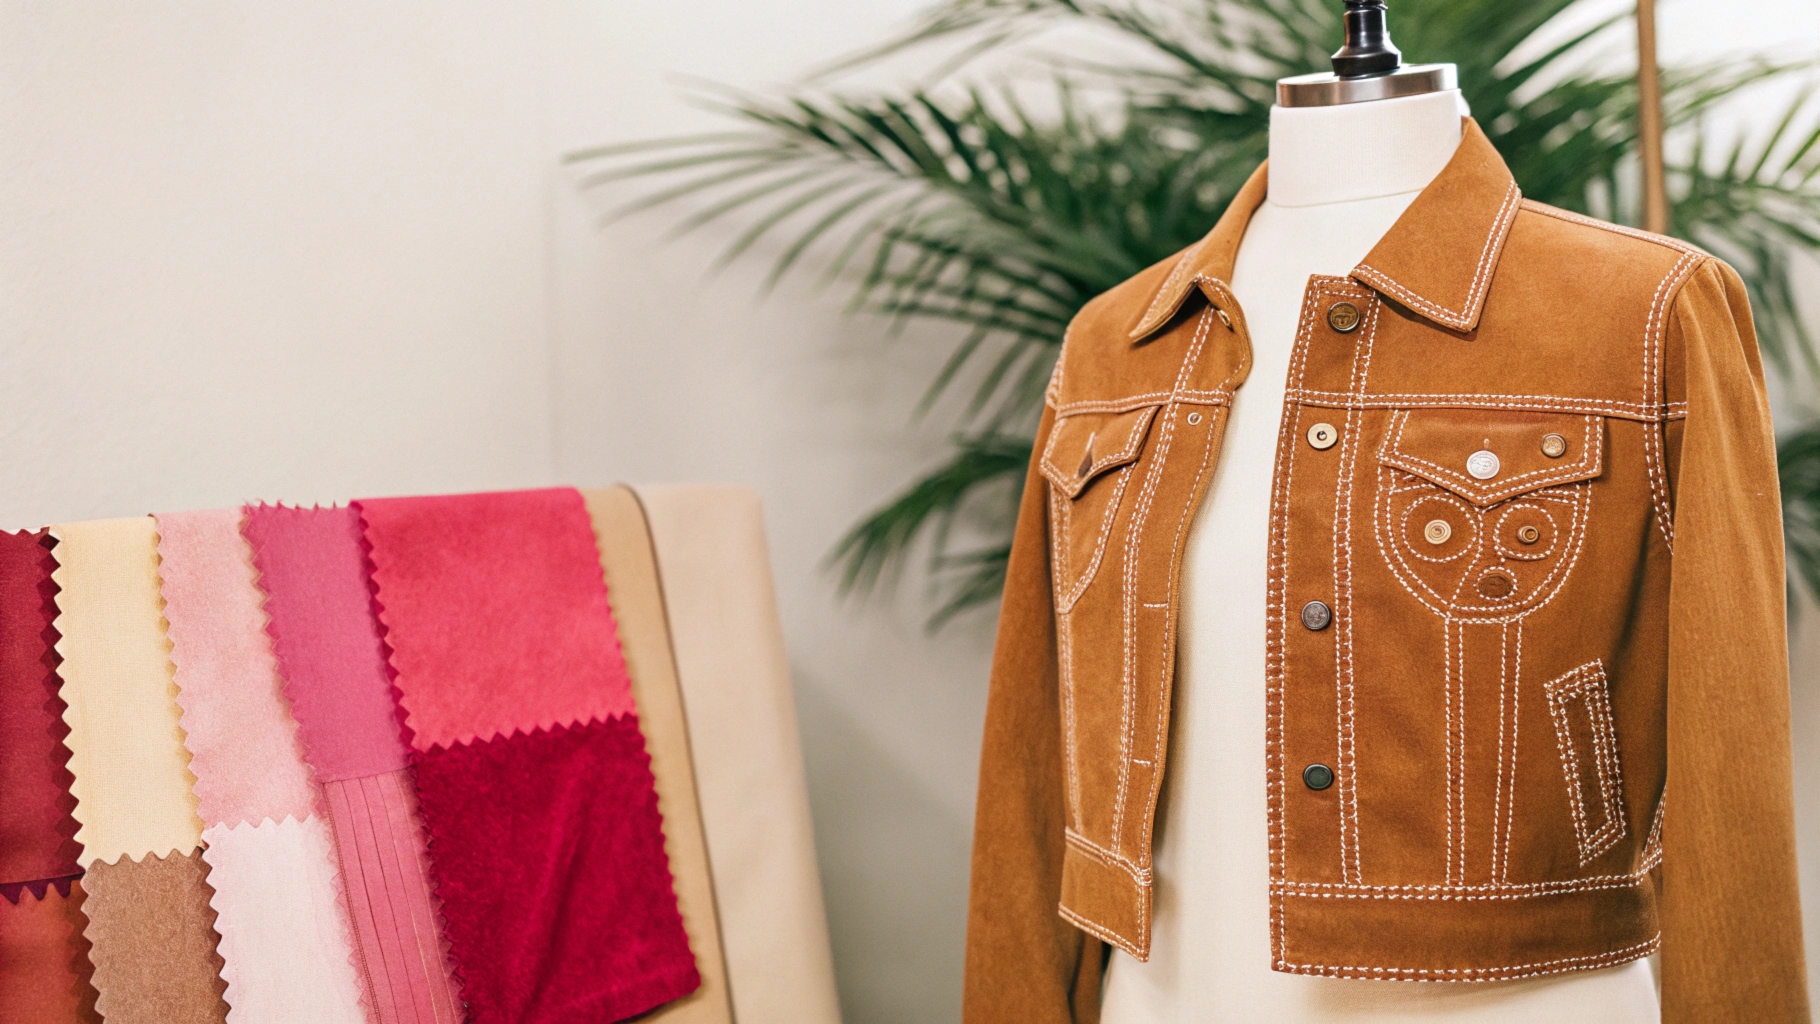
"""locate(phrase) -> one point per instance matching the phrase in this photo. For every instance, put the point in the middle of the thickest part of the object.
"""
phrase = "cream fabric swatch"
(284, 941)
(133, 783)
(730, 658)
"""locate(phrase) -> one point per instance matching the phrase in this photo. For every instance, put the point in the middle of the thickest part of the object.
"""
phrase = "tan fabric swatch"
(644, 636)
(735, 677)
(154, 941)
(133, 783)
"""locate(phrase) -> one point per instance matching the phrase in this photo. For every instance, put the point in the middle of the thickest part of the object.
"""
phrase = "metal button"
(1554, 445)
(1528, 534)
(1437, 531)
(1316, 615)
(1496, 585)
(1343, 317)
(1194, 419)
(1323, 435)
(1483, 465)
(1317, 777)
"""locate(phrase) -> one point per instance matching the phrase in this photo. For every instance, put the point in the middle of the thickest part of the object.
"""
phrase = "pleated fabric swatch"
(285, 940)
(44, 965)
(331, 659)
(546, 846)
(150, 923)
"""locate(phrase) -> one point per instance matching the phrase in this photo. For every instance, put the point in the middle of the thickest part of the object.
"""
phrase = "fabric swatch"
(326, 640)
(37, 833)
(320, 619)
(284, 941)
(239, 731)
(153, 939)
(495, 614)
(44, 968)
(547, 852)
(379, 845)
(132, 779)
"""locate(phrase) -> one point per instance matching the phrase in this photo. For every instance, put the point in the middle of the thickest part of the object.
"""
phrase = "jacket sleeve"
(1731, 924)
(1025, 965)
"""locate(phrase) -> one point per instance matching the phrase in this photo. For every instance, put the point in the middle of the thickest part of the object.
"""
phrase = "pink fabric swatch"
(495, 612)
(327, 642)
(379, 844)
(331, 656)
(241, 736)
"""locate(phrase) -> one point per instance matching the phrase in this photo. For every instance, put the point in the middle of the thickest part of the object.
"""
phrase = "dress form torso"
(1339, 178)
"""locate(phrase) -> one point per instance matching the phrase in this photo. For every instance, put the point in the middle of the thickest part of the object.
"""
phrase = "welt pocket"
(1486, 456)
(1088, 462)
(1587, 738)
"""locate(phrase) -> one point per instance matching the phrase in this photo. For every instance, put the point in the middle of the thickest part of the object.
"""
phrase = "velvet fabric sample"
(44, 968)
(547, 852)
(154, 941)
(329, 651)
(132, 779)
(284, 939)
(37, 834)
(379, 846)
(495, 613)
(326, 639)
(240, 735)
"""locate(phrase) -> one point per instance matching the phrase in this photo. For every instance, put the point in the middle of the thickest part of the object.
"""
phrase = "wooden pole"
(1649, 121)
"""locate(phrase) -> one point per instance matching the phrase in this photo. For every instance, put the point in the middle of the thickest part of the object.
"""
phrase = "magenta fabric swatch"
(326, 640)
(379, 845)
(238, 728)
(548, 854)
(495, 612)
(38, 847)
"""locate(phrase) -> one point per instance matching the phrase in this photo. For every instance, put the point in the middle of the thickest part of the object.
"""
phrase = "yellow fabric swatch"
(133, 782)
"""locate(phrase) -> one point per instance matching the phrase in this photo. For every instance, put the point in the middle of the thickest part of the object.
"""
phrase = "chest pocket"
(1481, 513)
(1089, 462)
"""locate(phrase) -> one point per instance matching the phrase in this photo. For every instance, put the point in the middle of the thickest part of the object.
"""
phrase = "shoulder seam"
(1570, 217)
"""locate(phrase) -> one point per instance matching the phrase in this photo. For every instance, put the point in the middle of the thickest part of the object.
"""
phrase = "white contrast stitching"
(1516, 403)
(1588, 685)
(1462, 320)
(1511, 973)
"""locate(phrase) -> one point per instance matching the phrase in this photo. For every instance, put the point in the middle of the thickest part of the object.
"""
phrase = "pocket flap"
(1488, 455)
(1084, 445)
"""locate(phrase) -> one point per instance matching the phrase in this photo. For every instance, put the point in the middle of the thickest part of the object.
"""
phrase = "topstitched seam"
(1462, 320)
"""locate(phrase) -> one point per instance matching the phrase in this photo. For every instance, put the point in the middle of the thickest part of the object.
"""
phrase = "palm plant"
(1001, 199)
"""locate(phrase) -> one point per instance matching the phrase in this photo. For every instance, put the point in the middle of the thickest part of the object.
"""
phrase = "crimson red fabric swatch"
(496, 613)
(37, 831)
(547, 852)
(320, 618)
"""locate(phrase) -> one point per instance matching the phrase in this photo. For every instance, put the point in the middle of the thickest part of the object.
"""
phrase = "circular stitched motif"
(1438, 529)
(1526, 531)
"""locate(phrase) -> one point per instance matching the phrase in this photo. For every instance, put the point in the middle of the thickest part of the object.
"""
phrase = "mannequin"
(1210, 955)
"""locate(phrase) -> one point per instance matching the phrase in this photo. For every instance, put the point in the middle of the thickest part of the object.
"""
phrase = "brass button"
(1343, 317)
(1437, 531)
(1554, 445)
(1528, 534)
(1323, 435)
(1316, 616)
(1496, 585)
(1317, 777)
(1483, 465)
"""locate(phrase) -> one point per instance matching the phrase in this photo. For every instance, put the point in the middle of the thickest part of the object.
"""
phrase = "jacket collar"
(1437, 259)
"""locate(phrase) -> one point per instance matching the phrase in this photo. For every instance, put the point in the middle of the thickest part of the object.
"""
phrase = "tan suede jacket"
(1526, 576)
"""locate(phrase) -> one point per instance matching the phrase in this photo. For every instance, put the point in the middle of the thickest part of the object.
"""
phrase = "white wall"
(316, 251)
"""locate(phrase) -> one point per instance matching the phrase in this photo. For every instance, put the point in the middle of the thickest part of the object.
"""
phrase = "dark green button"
(1317, 776)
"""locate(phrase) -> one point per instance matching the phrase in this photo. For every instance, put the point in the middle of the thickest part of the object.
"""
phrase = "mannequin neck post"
(1353, 151)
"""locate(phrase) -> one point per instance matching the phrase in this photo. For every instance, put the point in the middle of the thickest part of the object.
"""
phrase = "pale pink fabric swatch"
(285, 946)
(330, 655)
(326, 639)
(241, 737)
(457, 581)
(379, 843)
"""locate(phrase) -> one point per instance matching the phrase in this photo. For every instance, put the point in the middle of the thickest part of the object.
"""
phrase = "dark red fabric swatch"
(37, 833)
(547, 853)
